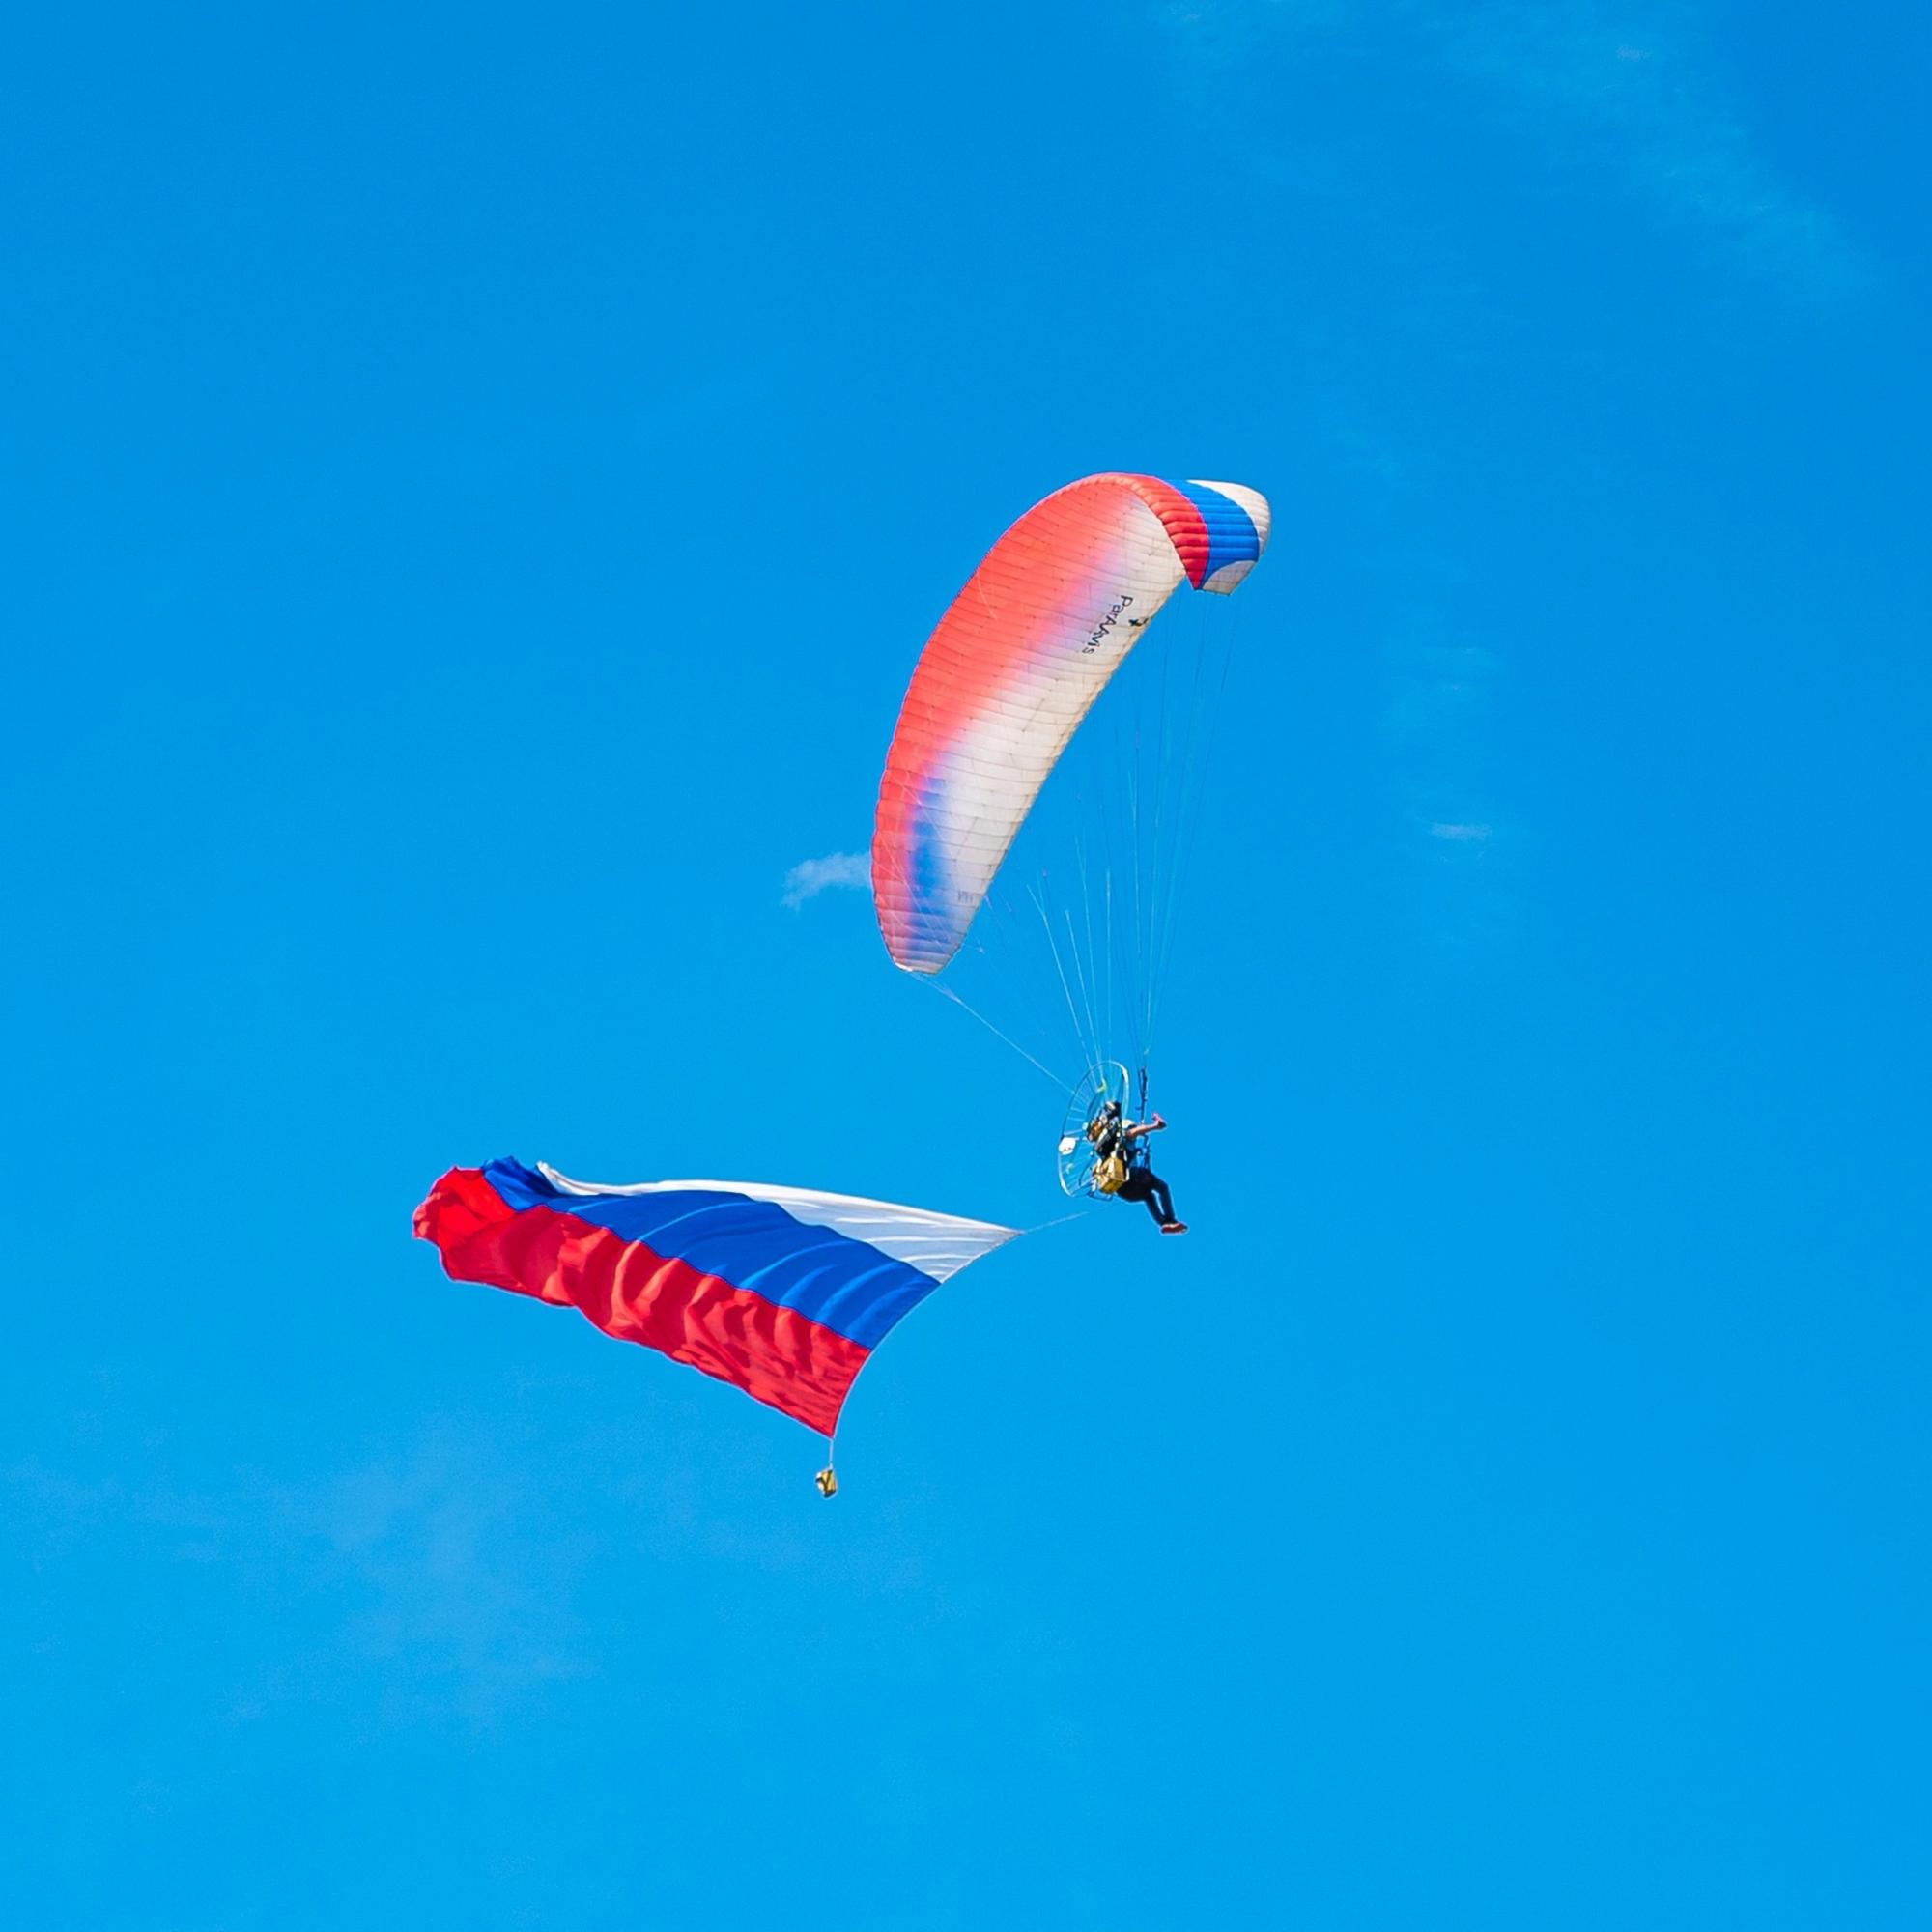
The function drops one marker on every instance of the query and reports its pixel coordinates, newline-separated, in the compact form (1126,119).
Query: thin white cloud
(1656,109)
(1624,87)
(437,1583)
(835,869)
(445,1553)
(1444,781)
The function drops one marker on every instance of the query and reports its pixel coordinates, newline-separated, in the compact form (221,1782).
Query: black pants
(1142,1183)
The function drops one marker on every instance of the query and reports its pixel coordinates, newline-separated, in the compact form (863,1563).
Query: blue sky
(478,481)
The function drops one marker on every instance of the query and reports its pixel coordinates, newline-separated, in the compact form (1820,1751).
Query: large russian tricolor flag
(780,1290)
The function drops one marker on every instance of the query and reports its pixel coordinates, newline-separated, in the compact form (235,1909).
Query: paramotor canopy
(1017,663)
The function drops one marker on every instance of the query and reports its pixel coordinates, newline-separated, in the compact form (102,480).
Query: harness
(1115,1156)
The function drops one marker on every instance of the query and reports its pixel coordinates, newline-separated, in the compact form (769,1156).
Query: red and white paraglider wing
(1017,661)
